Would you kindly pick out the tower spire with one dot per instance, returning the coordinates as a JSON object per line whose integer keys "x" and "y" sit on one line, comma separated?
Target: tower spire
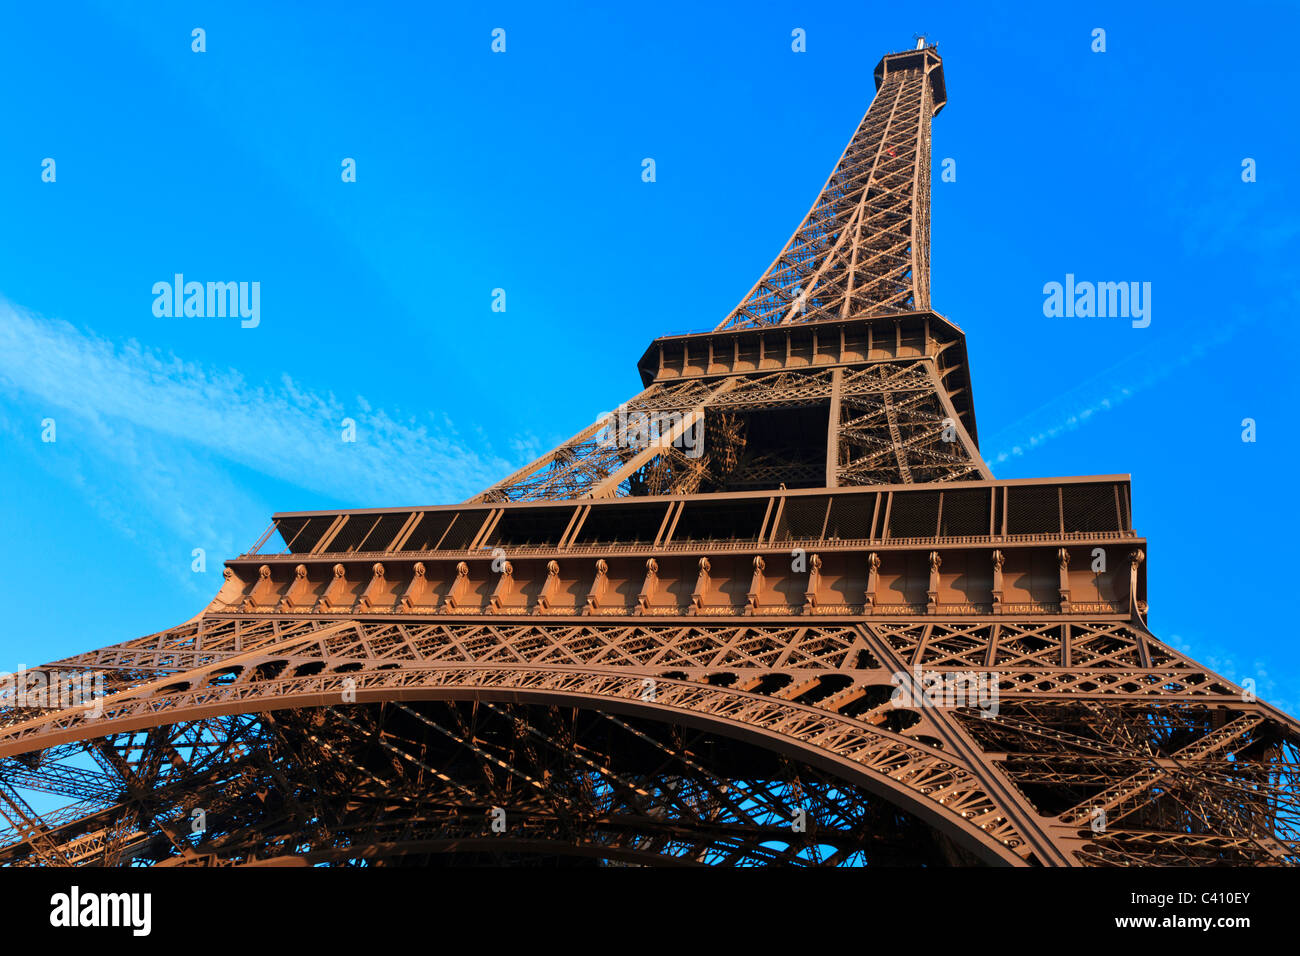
{"x": 864, "y": 247}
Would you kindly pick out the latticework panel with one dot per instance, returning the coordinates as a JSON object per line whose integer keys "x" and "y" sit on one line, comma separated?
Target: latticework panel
{"x": 1089, "y": 718}
{"x": 1155, "y": 783}
{"x": 598, "y": 452}
{"x": 893, "y": 424}
{"x": 895, "y": 427}
{"x": 863, "y": 247}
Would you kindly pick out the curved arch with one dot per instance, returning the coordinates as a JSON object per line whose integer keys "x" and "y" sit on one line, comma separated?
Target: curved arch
{"x": 911, "y": 775}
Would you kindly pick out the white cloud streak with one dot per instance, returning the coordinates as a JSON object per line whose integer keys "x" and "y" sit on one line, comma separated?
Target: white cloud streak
{"x": 1103, "y": 392}
{"x": 283, "y": 430}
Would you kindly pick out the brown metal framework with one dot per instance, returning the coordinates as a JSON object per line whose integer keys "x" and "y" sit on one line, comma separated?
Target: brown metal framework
{"x": 630, "y": 653}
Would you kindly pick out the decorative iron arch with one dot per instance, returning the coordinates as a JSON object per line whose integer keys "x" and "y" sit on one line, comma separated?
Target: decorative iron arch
{"x": 913, "y": 776}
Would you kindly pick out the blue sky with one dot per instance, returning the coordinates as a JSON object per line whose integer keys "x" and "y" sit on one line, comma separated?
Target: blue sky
{"x": 522, "y": 171}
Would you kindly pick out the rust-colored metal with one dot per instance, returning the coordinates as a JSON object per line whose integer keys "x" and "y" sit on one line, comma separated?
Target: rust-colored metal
{"x": 644, "y": 649}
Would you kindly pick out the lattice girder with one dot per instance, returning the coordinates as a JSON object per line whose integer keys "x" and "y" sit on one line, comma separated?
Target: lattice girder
{"x": 760, "y": 681}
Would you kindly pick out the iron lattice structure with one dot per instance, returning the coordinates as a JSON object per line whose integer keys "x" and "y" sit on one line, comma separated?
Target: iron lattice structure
{"x": 628, "y": 652}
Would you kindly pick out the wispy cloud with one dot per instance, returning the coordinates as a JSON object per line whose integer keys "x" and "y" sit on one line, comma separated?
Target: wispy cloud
{"x": 165, "y": 498}
{"x": 1254, "y": 676}
{"x": 283, "y": 429}
{"x": 1104, "y": 392}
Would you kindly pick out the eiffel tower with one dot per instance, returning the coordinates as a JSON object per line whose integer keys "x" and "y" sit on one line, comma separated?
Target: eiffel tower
{"x": 775, "y": 609}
